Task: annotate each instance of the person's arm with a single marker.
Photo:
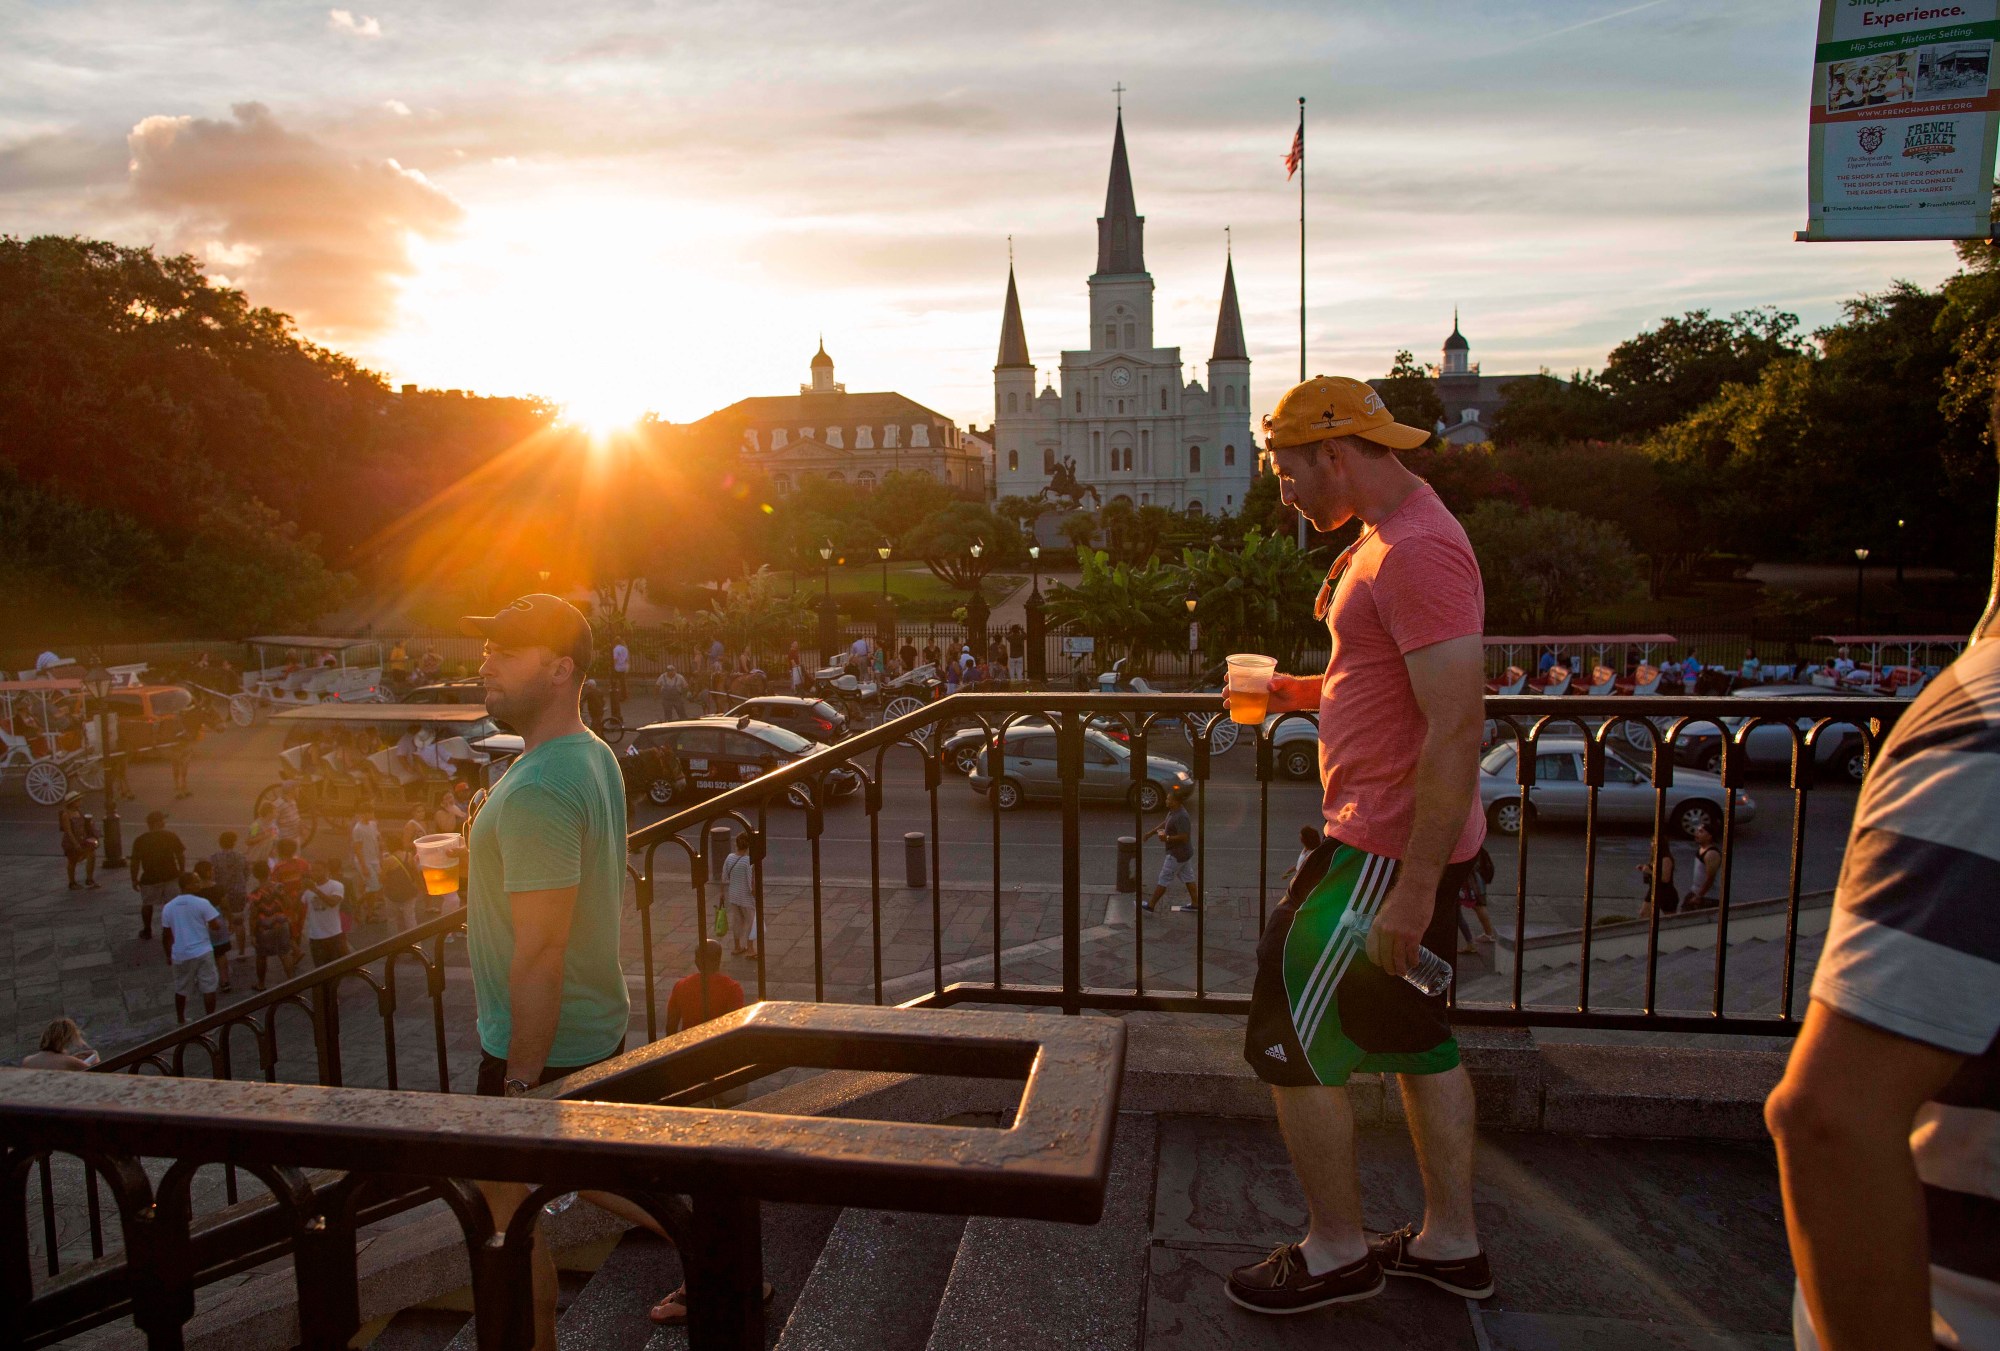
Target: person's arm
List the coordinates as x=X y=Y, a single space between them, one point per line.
x=1448 y=680
x=1290 y=693
x=1854 y=1207
x=166 y=940
x=673 y=1015
x=535 y=979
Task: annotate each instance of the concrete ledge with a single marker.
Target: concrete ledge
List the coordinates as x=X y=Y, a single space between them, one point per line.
x=1658 y=1091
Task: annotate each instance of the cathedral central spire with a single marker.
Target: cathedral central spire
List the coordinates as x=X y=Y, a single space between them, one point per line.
x=1013 y=337
x=1121 y=229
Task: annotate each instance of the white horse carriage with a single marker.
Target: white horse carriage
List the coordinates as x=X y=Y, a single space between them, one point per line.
x=48 y=740
x=288 y=671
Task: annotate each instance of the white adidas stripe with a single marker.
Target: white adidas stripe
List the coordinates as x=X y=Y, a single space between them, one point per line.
x=1309 y=995
x=1368 y=897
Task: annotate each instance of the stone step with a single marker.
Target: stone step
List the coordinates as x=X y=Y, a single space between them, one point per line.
x=877 y=1283
x=612 y=1312
x=420 y=1329
x=1072 y=1285
x=570 y=1287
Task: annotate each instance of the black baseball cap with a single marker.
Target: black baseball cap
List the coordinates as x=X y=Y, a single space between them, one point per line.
x=538 y=620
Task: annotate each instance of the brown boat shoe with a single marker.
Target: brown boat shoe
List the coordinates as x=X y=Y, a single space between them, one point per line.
x=1281 y=1283
x=1471 y=1276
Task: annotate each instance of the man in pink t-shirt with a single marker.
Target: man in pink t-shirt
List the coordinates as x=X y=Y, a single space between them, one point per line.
x=1401 y=711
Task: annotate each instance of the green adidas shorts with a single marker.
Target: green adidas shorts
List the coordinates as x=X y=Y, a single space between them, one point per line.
x=1320 y=1009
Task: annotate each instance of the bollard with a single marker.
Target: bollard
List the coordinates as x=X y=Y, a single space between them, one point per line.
x=915 y=866
x=719 y=840
x=1128 y=865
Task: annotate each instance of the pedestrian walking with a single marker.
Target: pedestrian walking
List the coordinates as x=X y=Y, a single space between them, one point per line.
x=79 y=842
x=1707 y=868
x=593 y=704
x=1472 y=897
x=1177 y=863
x=290 y=874
x=621 y=669
x=401 y=883
x=287 y=811
x=364 y=843
x=210 y=890
x=738 y=873
x=1658 y=878
x=706 y=994
x=1400 y=719
x=190 y=928
x=1887 y=1120
x=717 y=658
x=326 y=931
x=263 y=835
x=1309 y=840
x=673 y=688
x=545 y=889
x=232 y=879
x=180 y=754
x=63 y=1048
x=158 y=858
x=270 y=924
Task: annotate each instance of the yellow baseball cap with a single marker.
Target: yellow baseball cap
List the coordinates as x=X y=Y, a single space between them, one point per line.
x=1333 y=405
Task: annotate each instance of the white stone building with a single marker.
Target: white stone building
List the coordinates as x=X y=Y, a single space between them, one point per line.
x=1133 y=427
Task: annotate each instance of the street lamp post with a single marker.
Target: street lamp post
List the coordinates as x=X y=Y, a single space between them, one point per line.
x=1900 y=523
x=829 y=617
x=1194 y=625
x=883 y=553
x=1035 y=562
x=826 y=572
x=1860 y=583
x=98 y=682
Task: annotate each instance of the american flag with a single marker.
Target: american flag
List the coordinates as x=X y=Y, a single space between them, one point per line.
x=1297 y=154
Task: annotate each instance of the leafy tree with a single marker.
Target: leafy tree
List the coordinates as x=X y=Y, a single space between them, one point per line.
x=1670 y=370
x=944 y=541
x=899 y=502
x=1023 y=512
x=246 y=567
x=1257 y=598
x=1610 y=482
x=1409 y=392
x=1080 y=528
x=1133 y=610
x=1464 y=476
x=1264 y=509
x=1541 y=408
x=1543 y=567
x=752 y=613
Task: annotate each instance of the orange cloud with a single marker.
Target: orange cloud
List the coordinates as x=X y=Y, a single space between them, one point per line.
x=312 y=231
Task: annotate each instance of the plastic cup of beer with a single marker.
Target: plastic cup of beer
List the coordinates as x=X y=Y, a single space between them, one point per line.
x=1249 y=687
x=437 y=855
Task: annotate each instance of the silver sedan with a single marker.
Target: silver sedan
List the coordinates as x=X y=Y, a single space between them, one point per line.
x=1694 y=799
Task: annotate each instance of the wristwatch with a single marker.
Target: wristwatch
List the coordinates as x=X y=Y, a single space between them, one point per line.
x=517 y=1088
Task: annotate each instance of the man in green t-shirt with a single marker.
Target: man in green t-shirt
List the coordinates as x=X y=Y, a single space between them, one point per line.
x=546 y=885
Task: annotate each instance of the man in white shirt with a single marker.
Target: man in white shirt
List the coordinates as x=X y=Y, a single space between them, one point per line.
x=621 y=666
x=325 y=935
x=189 y=930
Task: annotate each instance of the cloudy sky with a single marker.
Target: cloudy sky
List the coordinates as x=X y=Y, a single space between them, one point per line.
x=630 y=205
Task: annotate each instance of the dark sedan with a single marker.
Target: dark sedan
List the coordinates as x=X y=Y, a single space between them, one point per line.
x=813 y=719
x=719 y=753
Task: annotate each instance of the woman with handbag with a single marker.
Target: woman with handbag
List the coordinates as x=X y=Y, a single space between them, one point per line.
x=79 y=842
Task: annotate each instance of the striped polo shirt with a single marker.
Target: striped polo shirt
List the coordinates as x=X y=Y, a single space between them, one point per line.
x=1913 y=948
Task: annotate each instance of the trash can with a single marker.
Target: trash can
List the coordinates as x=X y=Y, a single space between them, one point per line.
x=916 y=867
x=1128 y=865
x=719 y=842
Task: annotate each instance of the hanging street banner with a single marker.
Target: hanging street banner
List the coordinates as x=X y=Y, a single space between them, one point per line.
x=1903 y=119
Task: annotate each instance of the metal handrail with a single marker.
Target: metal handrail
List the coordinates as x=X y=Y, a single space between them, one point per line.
x=597 y=1129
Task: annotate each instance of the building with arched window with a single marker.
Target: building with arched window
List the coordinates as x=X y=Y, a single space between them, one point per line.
x=1124 y=414
x=824 y=431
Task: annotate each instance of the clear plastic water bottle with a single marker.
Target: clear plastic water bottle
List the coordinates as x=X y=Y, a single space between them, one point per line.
x=1431 y=974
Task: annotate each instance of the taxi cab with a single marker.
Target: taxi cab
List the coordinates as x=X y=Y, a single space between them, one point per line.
x=719 y=753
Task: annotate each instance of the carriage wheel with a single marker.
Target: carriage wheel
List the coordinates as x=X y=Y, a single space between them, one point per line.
x=90 y=774
x=907 y=703
x=242 y=710
x=46 y=784
x=308 y=827
x=612 y=730
x=1222 y=734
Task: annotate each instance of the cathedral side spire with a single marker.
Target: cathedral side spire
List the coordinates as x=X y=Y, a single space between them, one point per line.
x=1013 y=336
x=1229 y=345
x=1121 y=229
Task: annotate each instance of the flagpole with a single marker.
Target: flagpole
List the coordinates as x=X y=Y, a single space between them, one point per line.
x=1302 y=273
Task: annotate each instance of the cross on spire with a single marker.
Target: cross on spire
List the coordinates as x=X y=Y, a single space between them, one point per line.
x=1119 y=90
x=1228 y=245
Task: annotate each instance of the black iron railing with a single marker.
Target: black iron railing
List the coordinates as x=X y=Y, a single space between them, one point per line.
x=266 y=1035
x=336 y=1160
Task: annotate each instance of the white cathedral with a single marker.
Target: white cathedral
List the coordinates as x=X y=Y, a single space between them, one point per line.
x=1124 y=416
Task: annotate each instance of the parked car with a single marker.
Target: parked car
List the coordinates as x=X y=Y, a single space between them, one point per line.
x=813 y=719
x=1840 y=746
x=719 y=753
x=1693 y=799
x=1028 y=770
x=643 y=774
x=962 y=748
